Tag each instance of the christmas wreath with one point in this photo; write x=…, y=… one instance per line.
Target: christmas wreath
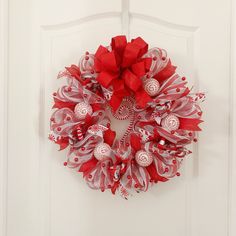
x=129, y=82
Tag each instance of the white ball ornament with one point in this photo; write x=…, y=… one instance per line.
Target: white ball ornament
x=101, y=151
x=151, y=86
x=143, y=158
x=82, y=109
x=170, y=122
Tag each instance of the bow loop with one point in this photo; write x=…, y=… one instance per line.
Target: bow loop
x=131, y=54
x=105, y=78
x=143, y=46
x=97, y=60
x=108, y=62
x=118, y=44
x=131, y=80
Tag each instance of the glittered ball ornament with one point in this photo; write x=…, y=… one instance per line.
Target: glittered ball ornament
x=170, y=122
x=82, y=109
x=101, y=151
x=143, y=158
x=151, y=86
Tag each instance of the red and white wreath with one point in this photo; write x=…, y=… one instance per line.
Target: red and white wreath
x=129, y=81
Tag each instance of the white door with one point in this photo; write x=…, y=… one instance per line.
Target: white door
x=39, y=197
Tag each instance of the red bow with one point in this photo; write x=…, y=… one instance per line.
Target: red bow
x=122, y=68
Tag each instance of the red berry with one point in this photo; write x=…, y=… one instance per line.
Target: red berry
x=163, y=58
x=199, y=113
x=154, y=58
x=178, y=89
x=54, y=94
x=128, y=176
x=52, y=119
x=178, y=174
x=76, y=159
x=165, y=92
x=82, y=148
x=68, y=118
x=90, y=176
x=87, y=57
x=195, y=140
x=174, y=161
x=103, y=164
x=183, y=78
x=166, y=169
x=58, y=128
x=136, y=185
x=65, y=163
x=172, y=131
x=87, y=53
x=69, y=89
x=190, y=134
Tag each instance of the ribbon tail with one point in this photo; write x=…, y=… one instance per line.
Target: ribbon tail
x=190, y=124
x=135, y=142
x=115, y=102
x=142, y=98
x=154, y=175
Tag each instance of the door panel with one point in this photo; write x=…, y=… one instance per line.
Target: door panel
x=45, y=198
x=192, y=39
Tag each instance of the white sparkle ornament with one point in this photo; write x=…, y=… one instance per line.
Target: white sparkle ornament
x=101, y=151
x=143, y=158
x=170, y=122
x=151, y=86
x=82, y=109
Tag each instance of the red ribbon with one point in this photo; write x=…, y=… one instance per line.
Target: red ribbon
x=154, y=174
x=76, y=73
x=135, y=142
x=88, y=166
x=63, y=142
x=190, y=124
x=122, y=68
x=165, y=73
x=109, y=137
x=60, y=104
